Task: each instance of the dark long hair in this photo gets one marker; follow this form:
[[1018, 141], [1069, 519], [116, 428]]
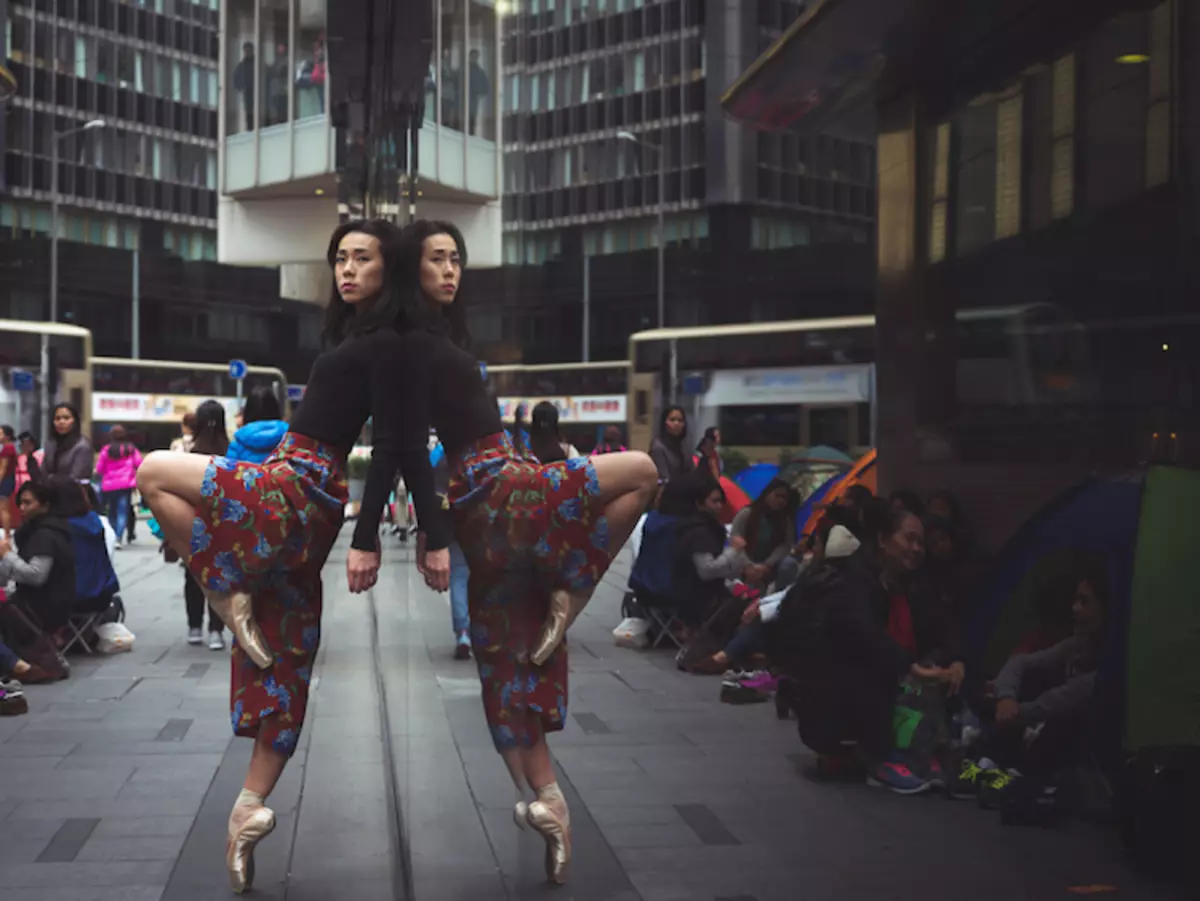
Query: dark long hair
[[341, 318], [544, 438], [72, 437], [417, 309], [261, 404], [778, 520], [118, 446], [666, 437], [210, 436]]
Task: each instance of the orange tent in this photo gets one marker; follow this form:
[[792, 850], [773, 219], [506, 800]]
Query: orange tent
[[735, 500], [864, 473]]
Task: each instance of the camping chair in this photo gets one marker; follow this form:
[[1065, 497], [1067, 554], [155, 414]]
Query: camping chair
[[97, 592], [652, 577], [85, 617]]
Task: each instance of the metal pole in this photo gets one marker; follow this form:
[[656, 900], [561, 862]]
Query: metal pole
[[137, 299], [587, 308], [45, 374]]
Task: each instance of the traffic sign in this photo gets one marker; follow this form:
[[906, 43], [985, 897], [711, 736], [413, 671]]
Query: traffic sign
[[295, 393], [483, 371], [237, 370], [21, 380]]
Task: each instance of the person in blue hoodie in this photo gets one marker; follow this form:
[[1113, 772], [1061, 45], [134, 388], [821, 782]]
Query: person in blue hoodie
[[460, 574], [262, 427]]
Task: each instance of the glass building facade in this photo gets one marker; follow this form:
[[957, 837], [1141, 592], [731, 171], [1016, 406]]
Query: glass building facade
[[275, 116]]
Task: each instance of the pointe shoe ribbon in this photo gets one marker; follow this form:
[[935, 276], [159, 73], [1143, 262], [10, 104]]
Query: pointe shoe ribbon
[[236, 610], [239, 857]]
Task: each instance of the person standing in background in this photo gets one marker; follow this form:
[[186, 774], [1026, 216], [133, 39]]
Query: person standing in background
[[210, 438], [460, 573], [243, 82], [68, 453], [667, 449], [480, 88], [187, 428], [117, 467], [8, 477]]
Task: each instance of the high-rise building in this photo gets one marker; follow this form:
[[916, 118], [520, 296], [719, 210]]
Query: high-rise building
[[600, 95], [125, 95]]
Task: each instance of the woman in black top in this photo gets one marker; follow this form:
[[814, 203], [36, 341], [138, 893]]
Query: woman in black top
[[537, 536], [256, 536]]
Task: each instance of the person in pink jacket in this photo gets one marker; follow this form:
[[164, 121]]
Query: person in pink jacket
[[117, 467]]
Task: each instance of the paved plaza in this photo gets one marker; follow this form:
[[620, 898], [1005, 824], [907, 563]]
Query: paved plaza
[[117, 785]]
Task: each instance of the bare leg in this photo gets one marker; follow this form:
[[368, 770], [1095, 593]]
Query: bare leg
[[171, 484], [251, 820], [628, 482]]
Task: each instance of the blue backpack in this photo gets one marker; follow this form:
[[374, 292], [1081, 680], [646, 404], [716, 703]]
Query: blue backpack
[[654, 570]]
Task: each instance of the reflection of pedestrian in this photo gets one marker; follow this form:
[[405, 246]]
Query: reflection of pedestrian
[[451, 100], [277, 86], [243, 81], [480, 88]]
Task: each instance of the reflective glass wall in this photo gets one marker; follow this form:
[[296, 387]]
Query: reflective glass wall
[[460, 93]]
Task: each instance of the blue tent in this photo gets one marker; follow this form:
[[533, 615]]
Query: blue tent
[[814, 500], [753, 479]]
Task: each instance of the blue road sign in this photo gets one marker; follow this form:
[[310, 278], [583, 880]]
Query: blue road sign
[[237, 370], [483, 371], [21, 380], [295, 393]]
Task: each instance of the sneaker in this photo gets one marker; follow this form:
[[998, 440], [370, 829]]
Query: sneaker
[[937, 777], [762, 681], [736, 693], [462, 647], [993, 785], [13, 703], [10, 685], [965, 785], [216, 641], [898, 778], [195, 636]]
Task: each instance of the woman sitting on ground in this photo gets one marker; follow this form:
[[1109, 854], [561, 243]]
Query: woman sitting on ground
[[702, 560], [765, 531]]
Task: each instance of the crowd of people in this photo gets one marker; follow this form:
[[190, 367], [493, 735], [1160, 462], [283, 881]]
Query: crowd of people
[[857, 629]]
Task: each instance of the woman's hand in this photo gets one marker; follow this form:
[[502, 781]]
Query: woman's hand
[[435, 566], [421, 553], [955, 674], [751, 611], [362, 570], [5, 548], [927, 673], [738, 543], [1007, 711]]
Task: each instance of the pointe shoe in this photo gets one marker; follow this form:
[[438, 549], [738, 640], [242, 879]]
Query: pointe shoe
[[521, 814], [564, 610], [236, 610], [557, 833], [239, 855]]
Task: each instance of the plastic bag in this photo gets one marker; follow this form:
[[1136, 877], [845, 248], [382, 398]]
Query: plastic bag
[[632, 633], [113, 638]]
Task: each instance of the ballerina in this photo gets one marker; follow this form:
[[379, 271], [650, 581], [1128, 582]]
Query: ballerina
[[519, 522], [256, 536]]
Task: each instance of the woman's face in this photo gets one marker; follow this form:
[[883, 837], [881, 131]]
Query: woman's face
[[777, 500], [29, 506], [940, 545], [441, 268], [713, 503], [905, 548], [358, 268], [63, 421], [27, 446], [940, 506], [676, 424]]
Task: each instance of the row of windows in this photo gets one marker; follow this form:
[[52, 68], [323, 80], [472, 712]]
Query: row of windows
[[685, 186], [768, 233], [18, 219], [185, 325], [606, 159], [114, 63], [123, 20], [598, 115], [115, 148], [108, 14], [682, 230], [833, 196], [91, 99], [615, 75], [552, 34], [820, 156]]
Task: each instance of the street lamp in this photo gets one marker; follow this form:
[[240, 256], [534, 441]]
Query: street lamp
[[662, 241], [54, 144]]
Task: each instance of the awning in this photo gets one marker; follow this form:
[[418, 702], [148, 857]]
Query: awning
[[823, 67]]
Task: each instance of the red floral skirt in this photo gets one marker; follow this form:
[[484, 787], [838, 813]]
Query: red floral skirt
[[526, 528], [267, 529]]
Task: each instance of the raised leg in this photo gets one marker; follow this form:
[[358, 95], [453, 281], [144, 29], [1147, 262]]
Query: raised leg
[[628, 482], [171, 483]]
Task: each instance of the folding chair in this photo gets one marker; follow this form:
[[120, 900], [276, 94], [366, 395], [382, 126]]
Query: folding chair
[[84, 619], [664, 618]]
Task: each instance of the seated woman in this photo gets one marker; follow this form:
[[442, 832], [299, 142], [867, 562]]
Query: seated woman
[[831, 542], [702, 560], [96, 581], [860, 638], [43, 568], [1047, 695], [848, 512], [765, 531]]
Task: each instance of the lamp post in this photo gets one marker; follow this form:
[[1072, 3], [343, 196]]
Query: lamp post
[[54, 144], [662, 243]]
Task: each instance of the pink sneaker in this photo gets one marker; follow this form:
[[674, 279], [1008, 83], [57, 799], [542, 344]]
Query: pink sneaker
[[762, 681]]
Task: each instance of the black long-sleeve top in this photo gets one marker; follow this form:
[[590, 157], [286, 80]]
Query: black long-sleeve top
[[405, 383]]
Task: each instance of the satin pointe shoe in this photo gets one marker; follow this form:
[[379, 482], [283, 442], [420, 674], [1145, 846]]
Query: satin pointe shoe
[[557, 833], [239, 856], [564, 610], [521, 814], [236, 610]]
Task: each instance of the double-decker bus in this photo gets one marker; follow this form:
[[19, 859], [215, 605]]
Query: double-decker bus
[[589, 396], [771, 386], [21, 388], [152, 396]]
